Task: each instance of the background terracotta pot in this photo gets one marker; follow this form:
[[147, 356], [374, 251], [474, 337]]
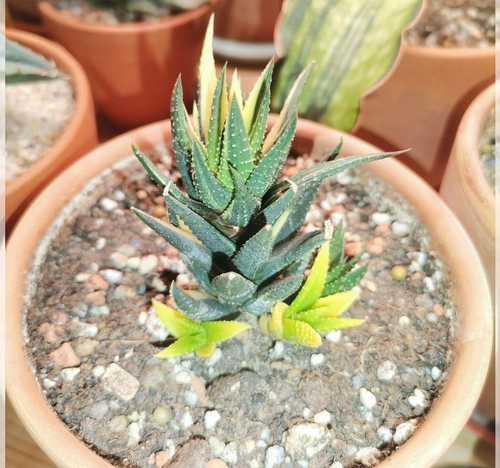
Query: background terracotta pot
[[132, 67], [78, 137], [419, 105], [469, 195], [448, 414]]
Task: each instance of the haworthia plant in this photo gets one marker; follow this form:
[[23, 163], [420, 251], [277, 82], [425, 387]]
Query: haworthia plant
[[235, 223], [353, 43], [23, 65]]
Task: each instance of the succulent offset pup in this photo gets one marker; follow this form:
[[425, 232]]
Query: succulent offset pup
[[236, 225]]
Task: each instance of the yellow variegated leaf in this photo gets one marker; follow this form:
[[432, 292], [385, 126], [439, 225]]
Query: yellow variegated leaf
[[184, 227], [196, 119], [314, 284], [301, 333], [251, 102], [206, 351], [276, 323], [207, 78], [312, 314], [184, 345], [236, 89], [176, 322], [219, 331], [337, 304], [326, 325]]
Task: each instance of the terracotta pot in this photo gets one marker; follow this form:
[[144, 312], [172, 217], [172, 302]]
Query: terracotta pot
[[469, 195], [26, 8], [78, 137], [132, 67], [419, 105], [448, 414]]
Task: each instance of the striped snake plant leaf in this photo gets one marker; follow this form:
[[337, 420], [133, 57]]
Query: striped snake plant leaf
[[233, 289], [353, 43], [277, 291], [22, 65]]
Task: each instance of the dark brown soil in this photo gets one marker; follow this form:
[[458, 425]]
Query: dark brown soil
[[256, 402]]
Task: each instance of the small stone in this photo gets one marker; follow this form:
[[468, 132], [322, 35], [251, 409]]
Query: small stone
[[183, 377], [404, 431], [400, 229], [158, 284], [323, 417], [70, 373], [82, 277], [155, 327], [118, 260], [305, 440], [431, 317], [96, 298], [99, 311], [317, 359], [381, 218], [214, 358], [275, 456], [118, 195], [353, 249], [230, 453], [399, 272], [368, 456], [134, 434], [48, 384], [133, 263], [107, 204], [211, 419], [418, 401], [101, 243], [86, 347], [436, 373], [190, 398], [429, 284], [97, 282], [265, 435], [186, 420], [162, 415], [98, 371], [334, 336], [118, 424], [50, 332], [98, 410], [216, 445], [148, 264], [404, 321], [216, 463], [386, 371], [124, 292], [64, 356], [376, 246], [384, 434], [119, 382], [112, 276], [336, 465], [367, 398], [277, 350]]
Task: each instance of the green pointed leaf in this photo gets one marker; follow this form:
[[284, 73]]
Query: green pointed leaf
[[233, 289], [314, 284], [345, 283], [300, 333], [211, 237], [214, 129], [269, 168], [181, 142], [152, 171], [244, 204], [220, 331], [279, 203], [174, 321], [202, 308], [182, 241], [277, 291], [256, 95], [336, 151], [341, 269], [337, 245], [236, 148], [210, 190], [354, 44], [184, 345], [255, 252]]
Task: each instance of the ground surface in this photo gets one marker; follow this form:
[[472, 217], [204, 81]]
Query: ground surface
[[93, 337]]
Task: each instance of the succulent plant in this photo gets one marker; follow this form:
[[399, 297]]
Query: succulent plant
[[192, 336], [236, 225], [22, 65], [316, 310]]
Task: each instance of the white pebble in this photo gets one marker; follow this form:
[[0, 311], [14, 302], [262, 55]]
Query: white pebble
[[404, 321], [317, 359], [183, 377], [404, 431], [432, 317], [230, 453], [384, 434], [367, 398], [48, 384], [82, 277], [186, 420], [381, 218], [265, 434], [211, 419], [108, 204], [70, 373], [118, 260], [141, 320], [368, 456], [429, 284], [214, 358], [277, 351], [323, 417], [112, 276], [400, 229], [307, 413], [386, 371], [101, 243], [148, 264], [98, 371], [134, 434], [418, 400], [155, 327], [334, 336], [336, 465], [275, 456], [118, 195], [436, 373], [99, 311], [133, 263], [216, 445], [190, 398]]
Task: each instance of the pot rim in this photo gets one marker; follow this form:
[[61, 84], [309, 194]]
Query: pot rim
[[466, 154], [448, 414], [83, 99], [68, 21]]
